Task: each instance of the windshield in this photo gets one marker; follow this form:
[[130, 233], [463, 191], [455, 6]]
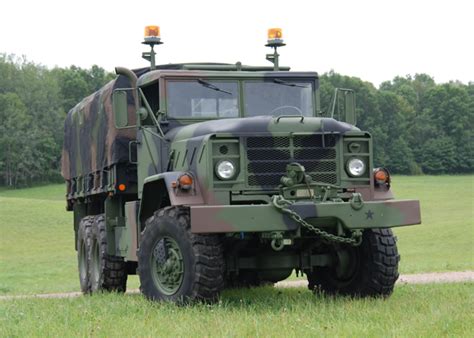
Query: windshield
[[202, 98], [278, 97]]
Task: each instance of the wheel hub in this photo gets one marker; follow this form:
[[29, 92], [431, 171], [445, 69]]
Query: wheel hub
[[167, 266], [347, 263]]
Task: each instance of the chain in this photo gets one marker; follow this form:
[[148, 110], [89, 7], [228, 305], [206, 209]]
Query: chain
[[281, 204]]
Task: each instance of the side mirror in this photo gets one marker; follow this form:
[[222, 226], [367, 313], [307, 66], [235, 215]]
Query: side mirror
[[120, 107], [349, 100], [343, 105]]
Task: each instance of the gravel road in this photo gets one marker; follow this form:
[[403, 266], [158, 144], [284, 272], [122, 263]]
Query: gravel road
[[420, 278]]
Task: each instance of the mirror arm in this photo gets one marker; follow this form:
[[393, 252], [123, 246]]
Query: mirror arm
[[132, 77], [150, 112], [332, 105]]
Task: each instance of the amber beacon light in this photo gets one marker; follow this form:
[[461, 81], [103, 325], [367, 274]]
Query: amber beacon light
[[152, 34], [275, 34], [275, 40], [152, 38]]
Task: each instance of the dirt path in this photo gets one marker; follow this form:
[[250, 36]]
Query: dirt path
[[421, 278]]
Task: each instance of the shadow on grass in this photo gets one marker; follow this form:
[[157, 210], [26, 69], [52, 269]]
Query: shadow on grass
[[278, 298], [259, 299]]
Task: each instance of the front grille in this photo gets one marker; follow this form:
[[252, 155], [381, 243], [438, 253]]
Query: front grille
[[268, 156]]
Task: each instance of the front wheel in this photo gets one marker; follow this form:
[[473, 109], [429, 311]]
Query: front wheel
[[370, 269], [176, 265]]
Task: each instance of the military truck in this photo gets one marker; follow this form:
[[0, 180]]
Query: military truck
[[202, 176]]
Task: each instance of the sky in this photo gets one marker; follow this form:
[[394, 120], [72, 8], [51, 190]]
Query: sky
[[375, 40]]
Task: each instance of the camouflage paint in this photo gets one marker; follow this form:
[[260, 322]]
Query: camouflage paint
[[241, 205], [91, 141], [260, 218]]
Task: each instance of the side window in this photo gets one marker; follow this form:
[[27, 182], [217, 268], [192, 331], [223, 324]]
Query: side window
[[152, 96]]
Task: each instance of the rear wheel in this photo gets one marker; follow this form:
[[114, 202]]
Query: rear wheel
[[370, 269], [107, 272], [84, 238], [175, 264]]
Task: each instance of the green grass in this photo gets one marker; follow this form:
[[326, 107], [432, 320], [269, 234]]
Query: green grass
[[52, 192], [445, 239], [37, 241], [412, 311]]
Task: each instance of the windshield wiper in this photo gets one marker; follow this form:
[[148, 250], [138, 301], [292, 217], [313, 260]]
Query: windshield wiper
[[211, 86], [289, 83]]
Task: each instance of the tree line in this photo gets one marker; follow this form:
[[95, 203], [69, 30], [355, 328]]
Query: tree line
[[418, 126], [34, 101]]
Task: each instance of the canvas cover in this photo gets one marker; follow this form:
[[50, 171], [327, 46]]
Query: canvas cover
[[91, 140]]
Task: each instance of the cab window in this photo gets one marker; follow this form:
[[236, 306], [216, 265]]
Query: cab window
[[202, 99]]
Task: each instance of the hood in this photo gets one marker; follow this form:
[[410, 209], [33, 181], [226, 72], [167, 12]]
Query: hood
[[259, 125]]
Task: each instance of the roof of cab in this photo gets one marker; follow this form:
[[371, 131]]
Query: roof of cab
[[147, 76]]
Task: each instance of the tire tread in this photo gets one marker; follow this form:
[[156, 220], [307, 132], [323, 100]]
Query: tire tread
[[378, 271], [208, 279]]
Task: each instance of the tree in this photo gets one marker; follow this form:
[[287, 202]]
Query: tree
[[33, 105], [450, 109], [15, 156]]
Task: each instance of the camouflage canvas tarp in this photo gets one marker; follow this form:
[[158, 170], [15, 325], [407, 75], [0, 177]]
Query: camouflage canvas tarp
[[91, 140]]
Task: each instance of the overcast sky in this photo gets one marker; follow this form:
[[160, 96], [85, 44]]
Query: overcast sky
[[371, 39]]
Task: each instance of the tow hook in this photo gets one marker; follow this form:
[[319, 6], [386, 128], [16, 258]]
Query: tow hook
[[278, 242], [356, 201]]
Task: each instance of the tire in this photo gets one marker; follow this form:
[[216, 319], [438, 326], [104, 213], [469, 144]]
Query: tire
[[176, 265], [84, 237], [372, 270], [107, 272]]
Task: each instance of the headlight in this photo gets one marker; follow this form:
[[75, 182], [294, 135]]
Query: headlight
[[225, 170], [356, 167]]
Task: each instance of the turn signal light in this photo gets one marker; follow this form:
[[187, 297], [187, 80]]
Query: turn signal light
[[185, 181], [152, 31], [382, 176]]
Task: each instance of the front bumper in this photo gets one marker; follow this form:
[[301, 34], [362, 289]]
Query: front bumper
[[262, 218]]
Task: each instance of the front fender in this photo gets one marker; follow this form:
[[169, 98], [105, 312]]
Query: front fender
[[159, 191]]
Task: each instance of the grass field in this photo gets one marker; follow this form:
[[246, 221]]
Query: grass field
[[445, 239], [37, 256], [413, 311]]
